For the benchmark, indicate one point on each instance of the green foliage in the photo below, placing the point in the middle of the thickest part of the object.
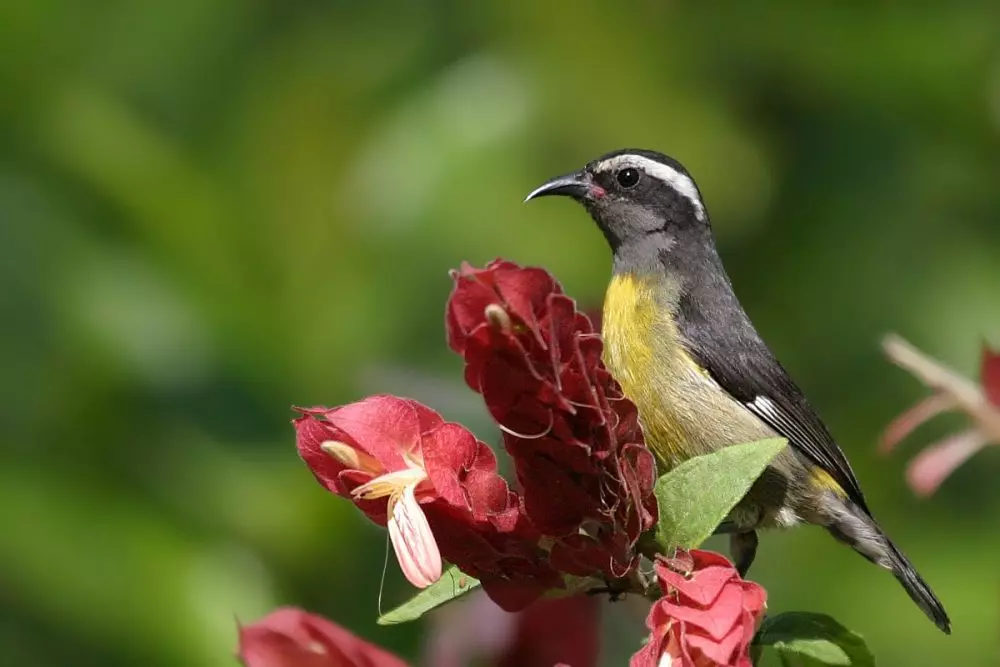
(696, 496)
(802, 639)
(452, 584)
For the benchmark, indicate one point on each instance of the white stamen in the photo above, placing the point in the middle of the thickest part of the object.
(390, 485)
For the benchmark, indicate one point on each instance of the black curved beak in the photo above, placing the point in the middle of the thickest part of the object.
(576, 185)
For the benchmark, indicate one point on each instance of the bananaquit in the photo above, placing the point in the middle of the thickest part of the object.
(684, 351)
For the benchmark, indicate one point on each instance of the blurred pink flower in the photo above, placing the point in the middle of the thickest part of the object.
(549, 632)
(981, 402)
(289, 637)
(560, 631)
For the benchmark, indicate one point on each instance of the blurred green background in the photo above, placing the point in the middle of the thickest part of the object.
(211, 211)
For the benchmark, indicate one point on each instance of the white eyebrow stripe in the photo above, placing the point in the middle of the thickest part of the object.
(678, 181)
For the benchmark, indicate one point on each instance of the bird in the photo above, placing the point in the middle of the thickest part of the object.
(686, 353)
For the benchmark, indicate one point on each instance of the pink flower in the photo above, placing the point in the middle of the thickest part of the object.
(707, 616)
(951, 392)
(289, 637)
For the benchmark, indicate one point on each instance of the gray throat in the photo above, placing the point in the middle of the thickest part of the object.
(644, 254)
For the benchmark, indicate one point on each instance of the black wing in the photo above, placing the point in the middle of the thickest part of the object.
(721, 338)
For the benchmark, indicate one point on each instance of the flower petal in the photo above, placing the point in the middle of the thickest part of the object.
(449, 451)
(712, 572)
(724, 651)
(647, 655)
(715, 622)
(386, 427)
(412, 540)
(310, 434)
(466, 308)
(907, 422)
(933, 465)
(289, 637)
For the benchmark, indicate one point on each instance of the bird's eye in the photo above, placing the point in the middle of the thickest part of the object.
(628, 177)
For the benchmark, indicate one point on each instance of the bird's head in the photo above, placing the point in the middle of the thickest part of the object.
(637, 197)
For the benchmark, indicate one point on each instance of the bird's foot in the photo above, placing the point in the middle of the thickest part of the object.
(743, 547)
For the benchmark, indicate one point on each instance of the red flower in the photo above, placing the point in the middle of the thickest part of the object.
(291, 637)
(434, 486)
(585, 473)
(707, 616)
(586, 477)
(951, 392)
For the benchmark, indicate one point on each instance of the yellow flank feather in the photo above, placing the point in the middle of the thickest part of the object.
(823, 480)
(683, 411)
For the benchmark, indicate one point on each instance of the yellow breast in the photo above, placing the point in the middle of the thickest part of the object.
(683, 411)
(630, 316)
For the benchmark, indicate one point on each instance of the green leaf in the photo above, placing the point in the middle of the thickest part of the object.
(696, 496)
(802, 639)
(451, 585)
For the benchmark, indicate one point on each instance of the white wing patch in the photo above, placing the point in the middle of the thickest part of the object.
(764, 407)
(678, 181)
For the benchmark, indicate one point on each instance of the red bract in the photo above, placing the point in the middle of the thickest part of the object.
(291, 637)
(707, 616)
(990, 375)
(434, 486)
(585, 473)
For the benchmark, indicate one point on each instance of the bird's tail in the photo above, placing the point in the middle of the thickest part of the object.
(917, 588)
(857, 528)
